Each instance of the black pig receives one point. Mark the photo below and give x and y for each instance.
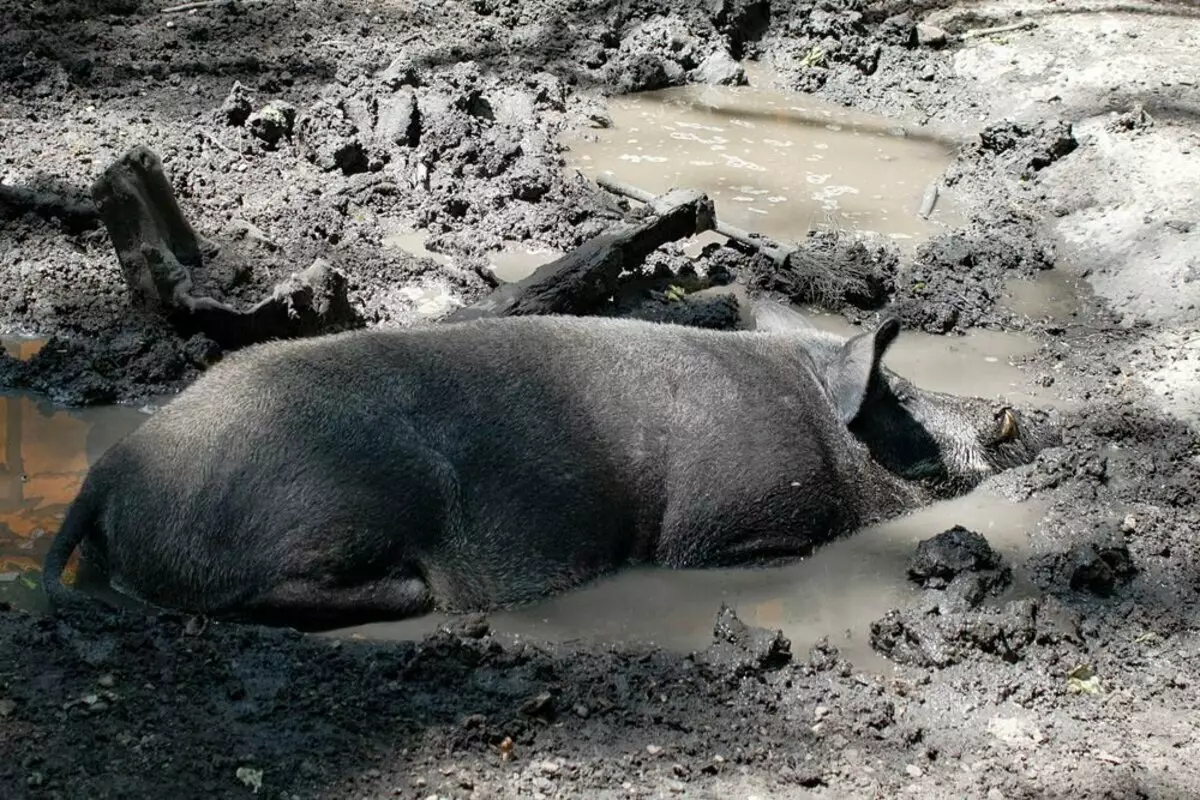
(381, 474)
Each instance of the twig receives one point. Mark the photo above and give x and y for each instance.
(185, 7)
(210, 137)
(1016, 26)
(928, 200)
(776, 251)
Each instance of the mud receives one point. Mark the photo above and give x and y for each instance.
(1074, 145)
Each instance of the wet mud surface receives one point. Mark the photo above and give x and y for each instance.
(1066, 668)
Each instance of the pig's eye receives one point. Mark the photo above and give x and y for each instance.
(1007, 422)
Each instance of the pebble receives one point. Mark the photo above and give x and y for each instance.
(995, 794)
(653, 749)
(549, 768)
(914, 771)
(820, 713)
(930, 35)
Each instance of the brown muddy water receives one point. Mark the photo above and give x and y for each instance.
(775, 163)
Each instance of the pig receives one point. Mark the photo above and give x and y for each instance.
(381, 474)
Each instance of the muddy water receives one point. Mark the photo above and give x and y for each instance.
(44, 454)
(836, 592)
(774, 163)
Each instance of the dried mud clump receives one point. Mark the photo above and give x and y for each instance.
(956, 279)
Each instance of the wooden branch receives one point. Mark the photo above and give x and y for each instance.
(158, 249)
(831, 280)
(1016, 26)
(582, 281)
(776, 251)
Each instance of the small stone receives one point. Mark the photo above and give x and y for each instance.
(719, 69)
(236, 108)
(930, 35)
(273, 122)
(914, 771)
(582, 711)
(995, 794)
(549, 768)
(7, 707)
(820, 713)
(653, 749)
(1129, 524)
(107, 681)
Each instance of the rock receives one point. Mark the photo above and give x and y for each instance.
(899, 30)
(930, 35)
(914, 771)
(719, 69)
(740, 650)
(1100, 567)
(273, 122)
(740, 21)
(940, 559)
(236, 108)
(1135, 119)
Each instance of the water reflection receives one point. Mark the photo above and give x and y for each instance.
(44, 454)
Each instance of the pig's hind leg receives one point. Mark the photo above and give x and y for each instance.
(316, 604)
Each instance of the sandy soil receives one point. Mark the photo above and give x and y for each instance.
(1079, 155)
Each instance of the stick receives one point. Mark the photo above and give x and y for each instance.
(185, 7)
(776, 251)
(1016, 26)
(583, 281)
(928, 201)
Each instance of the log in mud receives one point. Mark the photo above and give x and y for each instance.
(584, 280)
(158, 249)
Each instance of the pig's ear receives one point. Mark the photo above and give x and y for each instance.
(849, 374)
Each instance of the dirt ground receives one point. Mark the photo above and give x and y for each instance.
(1079, 150)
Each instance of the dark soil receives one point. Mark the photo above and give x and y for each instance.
(318, 130)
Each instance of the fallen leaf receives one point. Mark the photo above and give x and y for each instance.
(1083, 680)
(251, 777)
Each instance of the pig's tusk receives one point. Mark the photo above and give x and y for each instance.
(1008, 427)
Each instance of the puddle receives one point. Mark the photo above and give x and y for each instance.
(837, 592)
(774, 163)
(980, 363)
(513, 262)
(44, 454)
(1054, 295)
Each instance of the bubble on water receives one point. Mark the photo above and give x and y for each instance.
(778, 143)
(775, 198)
(821, 145)
(816, 179)
(740, 163)
(634, 158)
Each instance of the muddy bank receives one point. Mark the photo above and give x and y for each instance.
(348, 130)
